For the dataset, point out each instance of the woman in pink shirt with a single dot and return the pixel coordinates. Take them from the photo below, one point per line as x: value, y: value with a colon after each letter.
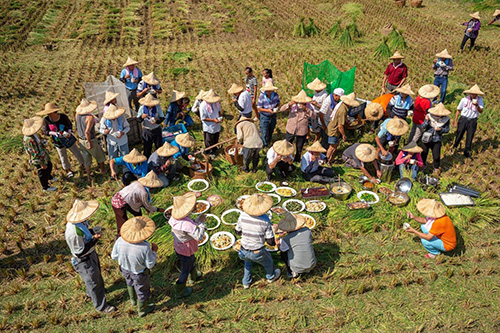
x: 267, y: 76
x: 409, y: 156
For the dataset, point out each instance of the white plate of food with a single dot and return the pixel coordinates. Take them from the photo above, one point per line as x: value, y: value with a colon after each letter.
x: 237, y: 245
x: 198, y: 185
x: 231, y: 216
x: 167, y: 214
x: 213, y: 222
x: 240, y: 201
x: 201, y: 207
x: 204, y: 240
x: 266, y: 187
x: 276, y: 198
x: 270, y: 248
x: 369, y: 197
x: 310, y: 221
x: 286, y: 191
x: 222, y: 240
x: 278, y: 210
x: 294, y: 205
x: 315, y: 206
x: 214, y: 200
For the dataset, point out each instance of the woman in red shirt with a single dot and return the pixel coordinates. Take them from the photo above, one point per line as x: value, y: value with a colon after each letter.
x: 422, y: 104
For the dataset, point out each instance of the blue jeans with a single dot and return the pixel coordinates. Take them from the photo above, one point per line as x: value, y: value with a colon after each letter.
x: 442, y: 82
x: 115, y: 151
x: 262, y: 258
x: 267, y: 125
x: 434, y: 246
x: 413, y: 168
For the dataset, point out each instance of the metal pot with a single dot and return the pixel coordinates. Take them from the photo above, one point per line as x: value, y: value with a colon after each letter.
x: 404, y: 185
x: 340, y: 196
x: 398, y: 194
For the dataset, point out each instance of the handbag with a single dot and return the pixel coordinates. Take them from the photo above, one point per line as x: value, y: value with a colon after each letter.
x: 68, y: 142
x: 427, y: 137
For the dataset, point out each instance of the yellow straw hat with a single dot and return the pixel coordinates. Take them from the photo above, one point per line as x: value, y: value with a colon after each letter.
x: 316, y: 85
x: 134, y: 157
x: 235, y: 89
x: 428, y: 91
x: 149, y: 100
x: 113, y: 112
x: 86, y: 107
x: 474, y: 90
x: 268, y: 87
x: 317, y: 148
x: 137, y: 229
x: 496, y: 13
x: 167, y: 150
x: 374, y: 111
x: 257, y: 204
x: 291, y: 222
x: 406, y: 89
x: 439, y: 110
x: 32, y: 125
x: 82, y: 210
x: 412, y: 147
x: 283, y: 148
x: 302, y: 98
x: 444, y: 54
x: 177, y: 95
x: 431, y: 208
x: 110, y: 96
x: 475, y: 15
x: 350, y: 100
x: 200, y: 94
x: 211, y: 97
x: 49, y: 108
x: 184, y: 205
x: 396, y: 55
x: 130, y: 62
x: 151, y: 180
x: 397, y: 127
x: 151, y: 79
x: 185, y: 140
x: 365, y: 153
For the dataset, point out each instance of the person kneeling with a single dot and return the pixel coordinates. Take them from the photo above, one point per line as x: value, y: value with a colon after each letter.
x: 280, y: 159
x: 360, y: 153
x: 409, y: 156
x: 312, y: 162
x: 163, y: 164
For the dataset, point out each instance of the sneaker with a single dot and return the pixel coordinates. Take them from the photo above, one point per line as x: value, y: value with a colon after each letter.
x: 55, y: 179
x: 430, y: 256
x: 277, y: 273
x: 50, y: 189
x: 70, y: 174
x: 109, y: 309
x: 246, y: 286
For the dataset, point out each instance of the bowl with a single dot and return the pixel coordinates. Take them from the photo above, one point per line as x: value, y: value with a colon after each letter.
x: 402, y: 195
x: 345, y: 192
x: 368, y: 185
x: 404, y: 185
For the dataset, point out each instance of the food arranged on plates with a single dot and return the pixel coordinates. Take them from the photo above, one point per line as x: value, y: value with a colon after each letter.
x: 310, y: 221
x: 222, y: 240
x: 314, y: 192
x: 270, y: 248
x: 294, y: 205
x: 237, y: 245
x: 168, y: 212
x: 368, y: 197
x: 398, y: 198
x: 276, y: 198
x: 385, y: 190
x: 265, y: 187
x: 315, y: 206
x: 231, y: 216
x: 240, y: 201
x: 456, y: 199
x: 213, y: 222
x: 204, y: 240
x: 358, y: 205
x: 198, y: 185
x: 201, y: 207
x: 368, y: 185
x: 286, y: 191
x: 278, y: 210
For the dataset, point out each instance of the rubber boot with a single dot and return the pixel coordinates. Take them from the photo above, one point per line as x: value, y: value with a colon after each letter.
x: 145, y: 308
x: 182, y: 291
x: 132, y: 295
x: 194, y: 275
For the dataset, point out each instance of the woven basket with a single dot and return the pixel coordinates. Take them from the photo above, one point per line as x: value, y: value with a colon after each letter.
x: 416, y: 3
x: 235, y: 159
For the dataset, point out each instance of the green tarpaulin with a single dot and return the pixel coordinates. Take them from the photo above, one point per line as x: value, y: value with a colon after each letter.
x: 330, y: 75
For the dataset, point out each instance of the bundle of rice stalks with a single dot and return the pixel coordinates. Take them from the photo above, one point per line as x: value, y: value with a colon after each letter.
x: 346, y: 39
x: 353, y: 29
x: 396, y: 40
x: 336, y: 30
x: 300, y: 29
x: 312, y: 29
x: 382, y: 51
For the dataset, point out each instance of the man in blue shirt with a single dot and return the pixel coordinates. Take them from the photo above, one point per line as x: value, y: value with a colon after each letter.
x: 135, y: 163
x: 149, y: 85
x: 267, y: 106
x: 131, y: 76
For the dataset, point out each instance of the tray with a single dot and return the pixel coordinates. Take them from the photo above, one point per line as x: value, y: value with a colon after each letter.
x: 451, y: 199
x: 309, y: 195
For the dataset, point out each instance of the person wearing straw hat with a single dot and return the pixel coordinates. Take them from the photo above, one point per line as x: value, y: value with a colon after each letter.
x: 469, y: 109
x: 294, y: 239
x: 267, y: 106
x: 279, y: 160
x: 211, y: 118
x: 136, y: 257
x: 109, y: 99
x: 402, y: 103
x: 395, y: 74
x: 59, y: 128
x: 471, y: 31
x: 183, y: 142
x: 151, y: 116
x: 241, y: 100
x: 134, y: 163
x: 187, y: 233
x: 255, y: 229
x: 87, y: 140
x: 325, y: 112
x: 423, y: 102
x: 149, y: 85
x: 39, y: 156
x: 82, y: 241
x: 436, y: 123
x: 297, y: 125
x: 163, y: 164
x: 320, y: 95
x: 442, y: 67
x: 338, y: 118
x: 438, y: 233
x: 174, y: 111
x: 390, y: 133
x: 360, y: 153
x: 198, y: 99
x: 312, y: 165
x: 496, y: 17
x: 409, y: 157
x: 374, y: 112
x: 248, y: 134
x: 133, y: 197
x: 131, y: 76
x: 115, y: 127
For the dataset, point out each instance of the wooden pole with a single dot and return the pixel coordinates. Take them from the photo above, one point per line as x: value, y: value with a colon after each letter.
x: 215, y: 145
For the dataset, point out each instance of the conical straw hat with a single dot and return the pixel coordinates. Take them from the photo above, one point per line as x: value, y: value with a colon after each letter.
x: 374, y: 111
x: 82, y: 210
x: 235, y: 88
x: 396, y: 55
x: 184, y: 205
x: 474, y: 91
x: 242, y: 119
x: 302, y: 98
x: 257, y: 204
x: 496, y: 13
x: 406, y: 89
x: 134, y: 157
x: 444, y: 54
x: 113, y: 112
x: 439, y: 110
x: 350, y: 100
x: 428, y: 91
x: 431, y: 208
x: 397, y: 127
x: 86, y: 107
x: 137, y: 229
x: 130, y: 62
x: 268, y: 87
x: 167, y: 150
x: 177, y: 95
x: 185, y: 140
x: 365, y: 152
x: 412, y: 147
x: 200, y: 94
x: 475, y: 15
x: 291, y: 222
x: 151, y: 180
x: 316, y: 147
x: 110, y: 96
x: 283, y: 148
x: 211, y: 97
x: 316, y: 85
x: 32, y: 125
x: 49, y: 108
x: 149, y: 100
x: 151, y: 79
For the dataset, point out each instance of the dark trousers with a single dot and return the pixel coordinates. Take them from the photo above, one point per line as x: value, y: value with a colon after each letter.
x: 140, y: 282
x: 151, y: 137
x: 44, y: 174
x: 128, y: 177
x: 210, y: 140
x: 121, y: 216
x: 187, y: 265
x: 132, y: 97
x: 324, y: 139
x: 299, y: 144
x: 89, y: 269
x: 435, y: 147
x: 250, y: 155
x: 282, y: 170
x: 468, y: 125
x: 322, y: 175
x: 284, y: 257
x: 472, y: 42
x: 267, y: 125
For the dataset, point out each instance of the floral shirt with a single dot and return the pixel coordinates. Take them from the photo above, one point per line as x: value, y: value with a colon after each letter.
x: 36, y: 150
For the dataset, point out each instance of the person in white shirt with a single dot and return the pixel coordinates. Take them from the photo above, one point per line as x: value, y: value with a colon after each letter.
x: 312, y: 165
x: 211, y: 117
x: 320, y: 95
x: 242, y: 100
x: 280, y: 159
x: 325, y: 113
x: 115, y: 126
x: 198, y: 99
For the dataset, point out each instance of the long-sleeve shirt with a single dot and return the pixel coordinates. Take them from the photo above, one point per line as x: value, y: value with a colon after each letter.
x: 436, y: 135
x: 265, y: 102
x: 298, y: 119
x: 171, y: 114
x: 210, y: 111
x: 36, y: 150
x: 155, y: 112
x: 301, y: 257
x: 248, y: 133
x: 54, y: 129
x: 156, y: 162
x: 187, y: 233
x: 133, y: 257
x: 244, y: 104
x: 140, y: 169
x: 136, y: 196
x: 78, y: 243
x: 442, y: 69
x: 421, y: 106
x: 474, y: 25
x: 308, y: 166
x: 416, y: 156
x: 114, y: 130
x: 183, y: 151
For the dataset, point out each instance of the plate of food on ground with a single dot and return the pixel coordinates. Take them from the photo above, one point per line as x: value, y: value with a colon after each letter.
x: 168, y: 213
x: 310, y: 221
x: 276, y: 198
x: 266, y: 187
x: 315, y: 206
x: 369, y: 197
x: 286, y: 191
x: 201, y: 207
x: 231, y: 216
x: 198, y: 185
x: 278, y: 210
x: 214, y: 200
x: 358, y: 205
x: 294, y: 205
x: 213, y: 222
x: 237, y: 245
x: 385, y: 190
x: 204, y: 240
x: 240, y: 201
x: 270, y: 248
x: 222, y: 240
